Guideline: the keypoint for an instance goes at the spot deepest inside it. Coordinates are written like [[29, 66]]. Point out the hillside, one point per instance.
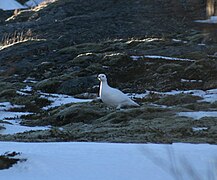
[[147, 49]]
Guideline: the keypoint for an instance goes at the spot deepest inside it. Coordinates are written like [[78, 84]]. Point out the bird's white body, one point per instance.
[[113, 97]]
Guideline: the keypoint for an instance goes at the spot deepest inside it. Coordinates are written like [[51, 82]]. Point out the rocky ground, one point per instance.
[[7, 160], [62, 47]]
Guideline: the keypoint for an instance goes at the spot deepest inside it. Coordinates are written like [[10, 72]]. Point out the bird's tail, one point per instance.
[[134, 103]]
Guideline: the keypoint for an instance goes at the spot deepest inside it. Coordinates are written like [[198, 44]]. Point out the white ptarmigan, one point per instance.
[[112, 96]]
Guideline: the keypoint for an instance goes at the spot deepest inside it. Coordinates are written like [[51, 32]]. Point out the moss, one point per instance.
[[116, 59], [75, 114], [82, 48], [171, 100], [196, 55], [48, 85], [8, 93], [85, 59], [168, 68]]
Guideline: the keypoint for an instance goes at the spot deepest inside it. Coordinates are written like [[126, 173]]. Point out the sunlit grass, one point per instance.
[[42, 5], [145, 40], [10, 39], [210, 7], [37, 8]]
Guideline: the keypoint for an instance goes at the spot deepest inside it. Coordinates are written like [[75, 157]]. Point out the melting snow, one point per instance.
[[7, 105], [160, 57], [107, 161], [30, 80], [191, 80], [27, 89], [15, 127], [179, 40], [14, 119], [139, 96], [207, 96], [61, 99], [11, 115], [211, 20], [22, 93], [176, 40], [199, 128], [57, 100], [198, 114]]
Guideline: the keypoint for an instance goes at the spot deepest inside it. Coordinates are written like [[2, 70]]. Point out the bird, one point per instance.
[[112, 96]]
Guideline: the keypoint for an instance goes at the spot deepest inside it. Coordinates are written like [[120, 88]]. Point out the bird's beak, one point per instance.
[[99, 78]]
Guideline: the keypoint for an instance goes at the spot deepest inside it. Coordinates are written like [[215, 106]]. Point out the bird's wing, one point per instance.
[[117, 94], [121, 97]]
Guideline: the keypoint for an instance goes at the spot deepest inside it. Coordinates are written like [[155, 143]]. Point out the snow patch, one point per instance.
[[139, 96], [7, 105], [61, 99], [11, 120], [10, 5], [11, 115], [160, 57], [107, 161], [27, 89], [15, 127], [30, 80], [199, 128], [198, 114], [176, 40], [191, 80], [211, 20], [207, 96]]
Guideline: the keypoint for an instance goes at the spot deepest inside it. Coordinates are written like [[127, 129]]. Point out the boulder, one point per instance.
[[48, 85], [77, 85], [8, 93]]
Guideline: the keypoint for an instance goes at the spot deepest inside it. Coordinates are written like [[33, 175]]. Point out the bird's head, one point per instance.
[[102, 77]]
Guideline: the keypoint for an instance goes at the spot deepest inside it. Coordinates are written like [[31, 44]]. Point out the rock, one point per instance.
[[48, 85], [5, 86], [8, 93], [7, 160], [172, 100], [77, 85], [85, 113]]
